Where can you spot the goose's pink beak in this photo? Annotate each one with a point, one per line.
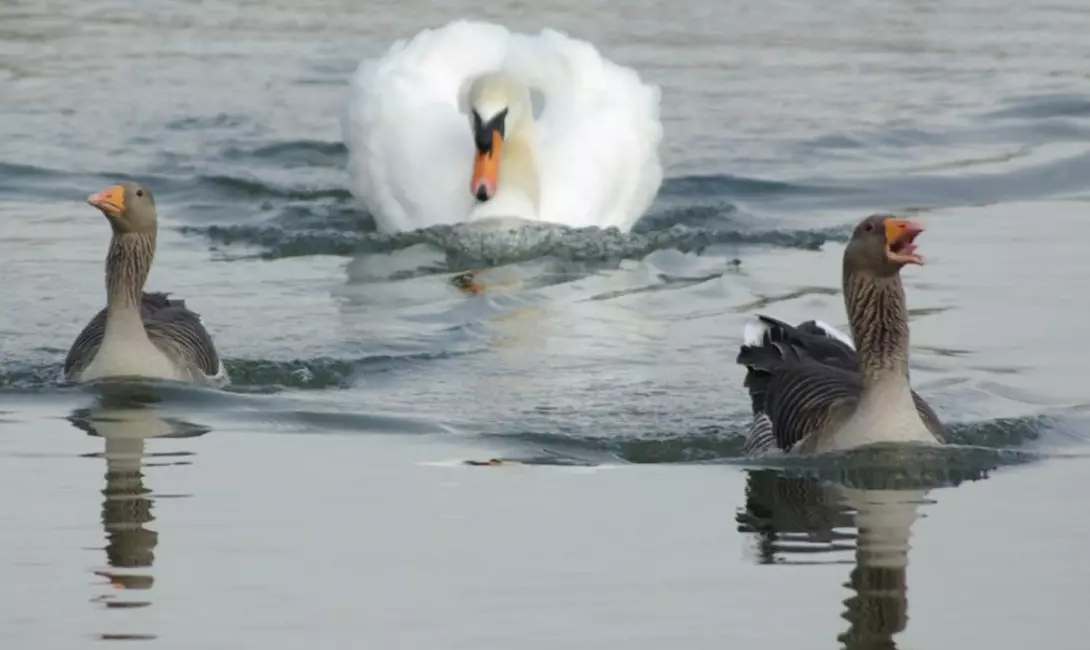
(111, 201)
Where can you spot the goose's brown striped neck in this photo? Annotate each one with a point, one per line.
(879, 323)
(127, 266)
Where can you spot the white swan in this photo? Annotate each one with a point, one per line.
(442, 130)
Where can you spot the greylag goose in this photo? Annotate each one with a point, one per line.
(137, 333)
(812, 391)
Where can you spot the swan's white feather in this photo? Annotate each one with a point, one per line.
(833, 332)
(411, 149)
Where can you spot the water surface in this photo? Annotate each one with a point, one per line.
(323, 499)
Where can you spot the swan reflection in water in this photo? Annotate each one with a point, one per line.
(799, 519)
(125, 420)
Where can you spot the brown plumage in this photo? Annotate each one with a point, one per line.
(138, 333)
(812, 390)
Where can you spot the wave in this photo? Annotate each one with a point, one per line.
(468, 247)
(247, 375)
(692, 214)
(985, 443)
(999, 442)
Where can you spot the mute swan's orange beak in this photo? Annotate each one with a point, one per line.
(486, 169)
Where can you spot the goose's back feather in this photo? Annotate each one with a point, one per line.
(171, 327)
(801, 380)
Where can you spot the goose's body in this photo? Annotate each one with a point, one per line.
(805, 386)
(442, 130)
(812, 391)
(140, 334)
(168, 341)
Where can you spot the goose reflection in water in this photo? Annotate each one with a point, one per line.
(125, 420)
(799, 519)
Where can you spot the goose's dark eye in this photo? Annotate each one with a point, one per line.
(868, 227)
(141, 193)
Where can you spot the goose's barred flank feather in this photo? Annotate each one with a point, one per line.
(760, 440)
(799, 380)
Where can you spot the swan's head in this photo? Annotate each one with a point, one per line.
(129, 207)
(499, 106)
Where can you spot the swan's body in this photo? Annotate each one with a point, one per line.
(414, 117)
(139, 334)
(812, 390)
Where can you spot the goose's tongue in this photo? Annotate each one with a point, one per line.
(900, 235)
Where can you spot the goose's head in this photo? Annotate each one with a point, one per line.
(128, 206)
(499, 109)
(881, 245)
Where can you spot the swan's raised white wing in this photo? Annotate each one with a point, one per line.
(598, 136)
(410, 144)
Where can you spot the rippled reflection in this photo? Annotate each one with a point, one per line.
(858, 517)
(125, 422)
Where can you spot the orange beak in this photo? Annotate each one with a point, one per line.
(486, 170)
(900, 235)
(111, 201)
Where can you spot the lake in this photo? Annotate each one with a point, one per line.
(324, 499)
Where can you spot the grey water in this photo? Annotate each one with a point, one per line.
(325, 500)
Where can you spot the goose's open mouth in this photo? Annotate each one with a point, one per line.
(900, 237)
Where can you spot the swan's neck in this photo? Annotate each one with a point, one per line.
(127, 267)
(518, 166)
(879, 322)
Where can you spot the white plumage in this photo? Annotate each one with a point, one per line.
(835, 333)
(754, 330)
(410, 144)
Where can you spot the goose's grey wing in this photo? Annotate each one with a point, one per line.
(769, 344)
(807, 398)
(85, 347)
(800, 400)
(800, 380)
(812, 339)
(930, 419)
(181, 335)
